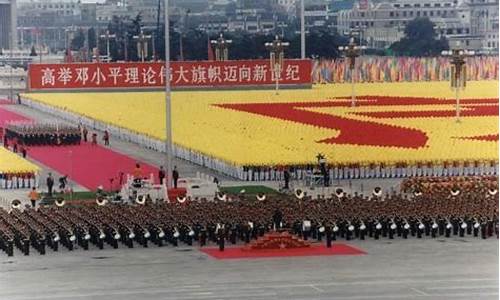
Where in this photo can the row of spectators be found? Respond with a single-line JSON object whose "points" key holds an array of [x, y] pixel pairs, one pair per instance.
{"points": [[373, 170]]}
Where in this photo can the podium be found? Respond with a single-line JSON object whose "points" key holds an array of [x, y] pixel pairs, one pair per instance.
{"points": [[277, 240], [313, 180]]}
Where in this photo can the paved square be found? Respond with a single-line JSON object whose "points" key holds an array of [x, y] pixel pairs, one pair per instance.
{"points": [[398, 269]]}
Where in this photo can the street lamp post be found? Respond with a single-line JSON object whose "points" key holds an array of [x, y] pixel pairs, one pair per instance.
{"points": [[277, 53], [107, 36], [70, 35], [352, 51], [221, 48], [302, 31], [153, 45], [71, 174], [38, 42], [11, 69], [458, 73], [142, 44], [168, 102]]}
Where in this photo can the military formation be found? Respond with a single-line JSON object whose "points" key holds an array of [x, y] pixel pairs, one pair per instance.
{"points": [[467, 209], [29, 134]]}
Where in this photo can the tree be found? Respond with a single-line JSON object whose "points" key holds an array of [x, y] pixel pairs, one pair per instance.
{"points": [[420, 40], [92, 38], [78, 41], [319, 43], [33, 51]]}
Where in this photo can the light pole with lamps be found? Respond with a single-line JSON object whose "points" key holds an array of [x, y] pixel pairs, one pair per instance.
{"points": [[221, 48], [142, 44], [153, 45], [11, 68], [107, 36], [302, 30], [69, 34], [168, 103], [277, 53], [458, 72], [352, 51], [71, 174]]}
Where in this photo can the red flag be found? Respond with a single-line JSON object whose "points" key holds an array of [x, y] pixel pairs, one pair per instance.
{"points": [[211, 55]]}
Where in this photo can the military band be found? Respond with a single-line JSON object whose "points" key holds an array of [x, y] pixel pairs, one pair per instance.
{"points": [[42, 134], [464, 210]]}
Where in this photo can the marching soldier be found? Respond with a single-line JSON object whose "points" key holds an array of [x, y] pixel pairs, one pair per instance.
{"points": [[349, 231], [362, 229], [483, 228], [476, 228], [378, 229], [335, 230], [392, 229], [328, 234], [434, 228], [203, 236], [220, 231], [463, 227], [448, 228], [420, 229], [406, 229]]}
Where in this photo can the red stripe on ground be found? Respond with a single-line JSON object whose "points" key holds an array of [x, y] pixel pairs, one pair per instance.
{"points": [[317, 250]]}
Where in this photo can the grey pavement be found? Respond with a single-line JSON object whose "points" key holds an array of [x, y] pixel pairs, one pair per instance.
{"points": [[465, 268]]}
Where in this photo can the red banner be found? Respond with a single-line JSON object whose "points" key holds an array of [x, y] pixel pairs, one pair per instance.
{"points": [[152, 75]]}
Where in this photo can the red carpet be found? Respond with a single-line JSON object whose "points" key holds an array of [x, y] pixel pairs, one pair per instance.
{"points": [[8, 116], [317, 250], [5, 101], [89, 166]]}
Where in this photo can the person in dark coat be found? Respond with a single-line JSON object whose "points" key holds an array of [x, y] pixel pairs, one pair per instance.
{"points": [[161, 174], [286, 175], [50, 184], [62, 183], [277, 218], [85, 134], [23, 151], [105, 138], [175, 176]]}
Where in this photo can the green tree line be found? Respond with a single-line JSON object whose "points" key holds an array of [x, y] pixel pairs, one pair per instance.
{"points": [[419, 40]]}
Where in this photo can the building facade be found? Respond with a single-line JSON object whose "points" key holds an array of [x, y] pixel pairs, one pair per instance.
{"points": [[8, 24], [484, 21], [382, 23]]}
